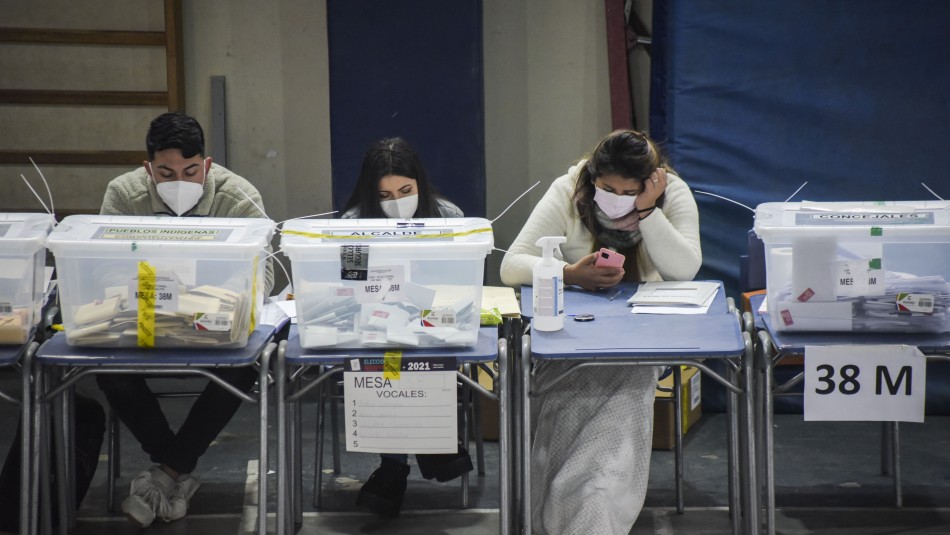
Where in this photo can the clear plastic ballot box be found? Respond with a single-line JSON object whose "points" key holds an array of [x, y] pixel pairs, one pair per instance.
{"points": [[137, 281], [361, 283], [22, 282], [876, 266]]}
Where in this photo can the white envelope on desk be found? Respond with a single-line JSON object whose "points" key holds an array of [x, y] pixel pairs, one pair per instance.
{"points": [[795, 316]]}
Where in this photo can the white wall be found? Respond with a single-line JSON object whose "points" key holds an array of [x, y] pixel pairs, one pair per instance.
{"points": [[273, 56], [546, 95], [547, 100]]}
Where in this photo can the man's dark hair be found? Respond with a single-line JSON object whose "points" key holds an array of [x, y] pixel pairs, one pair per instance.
{"points": [[174, 130]]}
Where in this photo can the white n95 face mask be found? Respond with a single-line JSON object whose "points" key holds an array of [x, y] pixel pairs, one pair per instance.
{"points": [[613, 205], [402, 208], [181, 195]]}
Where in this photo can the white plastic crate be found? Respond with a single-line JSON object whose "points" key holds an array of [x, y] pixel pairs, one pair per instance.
{"points": [[878, 267], [22, 262], [361, 283], [131, 281]]}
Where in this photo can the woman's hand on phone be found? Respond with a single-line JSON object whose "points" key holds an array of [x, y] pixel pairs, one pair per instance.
{"points": [[585, 274]]}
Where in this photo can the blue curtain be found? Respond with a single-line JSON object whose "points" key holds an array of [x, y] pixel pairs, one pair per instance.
{"points": [[753, 98], [412, 69]]}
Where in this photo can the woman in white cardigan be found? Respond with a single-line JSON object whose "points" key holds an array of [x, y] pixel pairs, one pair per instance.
{"points": [[593, 433]]}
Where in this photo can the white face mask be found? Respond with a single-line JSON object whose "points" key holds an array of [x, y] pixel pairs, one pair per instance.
{"points": [[402, 208], [180, 195], [613, 205]]}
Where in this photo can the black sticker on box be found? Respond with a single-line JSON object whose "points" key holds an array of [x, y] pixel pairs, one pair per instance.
{"points": [[354, 262]]}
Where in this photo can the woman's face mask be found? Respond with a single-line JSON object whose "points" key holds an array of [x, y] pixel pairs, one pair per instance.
{"points": [[401, 208], [613, 205]]}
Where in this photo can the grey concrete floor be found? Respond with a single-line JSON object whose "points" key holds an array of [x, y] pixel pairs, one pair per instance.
{"points": [[828, 481]]}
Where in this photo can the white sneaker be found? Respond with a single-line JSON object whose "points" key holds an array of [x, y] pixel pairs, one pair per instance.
{"points": [[148, 497], [180, 496]]}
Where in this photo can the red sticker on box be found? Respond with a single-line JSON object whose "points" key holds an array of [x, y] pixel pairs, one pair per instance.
{"points": [[380, 314], [806, 295], [787, 317]]}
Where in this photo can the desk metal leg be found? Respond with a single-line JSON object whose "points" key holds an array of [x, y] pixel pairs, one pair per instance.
{"points": [[678, 436], [264, 461], [735, 493], [752, 505], [896, 439], [887, 449], [282, 469], [504, 440], [466, 392], [525, 374], [335, 404], [319, 438], [768, 445], [512, 376], [26, 440], [477, 426]]}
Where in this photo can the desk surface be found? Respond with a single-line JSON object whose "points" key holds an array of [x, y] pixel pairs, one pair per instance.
{"points": [[795, 342], [578, 301], [56, 351], [642, 335], [484, 350], [616, 333]]}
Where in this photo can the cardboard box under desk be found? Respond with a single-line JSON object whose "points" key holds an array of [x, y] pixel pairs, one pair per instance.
{"points": [[505, 301], [664, 415]]}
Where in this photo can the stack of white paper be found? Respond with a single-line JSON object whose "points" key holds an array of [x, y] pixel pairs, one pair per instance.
{"points": [[674, 297]]}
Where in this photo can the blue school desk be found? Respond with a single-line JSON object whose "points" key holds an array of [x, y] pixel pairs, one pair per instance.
{"points": [[293, 360], [59, 366], [618, 338], [772, 346]]}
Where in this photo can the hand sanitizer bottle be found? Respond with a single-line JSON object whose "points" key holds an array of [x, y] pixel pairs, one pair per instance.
{"points": [[548, 285]]}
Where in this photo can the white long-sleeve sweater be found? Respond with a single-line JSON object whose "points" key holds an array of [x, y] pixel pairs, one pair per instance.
{"points": [[670, 248]]}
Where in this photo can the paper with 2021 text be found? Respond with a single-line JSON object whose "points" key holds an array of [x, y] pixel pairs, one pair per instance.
{"points": [[401, 405]]}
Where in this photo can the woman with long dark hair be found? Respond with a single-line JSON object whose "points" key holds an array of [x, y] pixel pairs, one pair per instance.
{"points": [[393, 183], [590, 456]]}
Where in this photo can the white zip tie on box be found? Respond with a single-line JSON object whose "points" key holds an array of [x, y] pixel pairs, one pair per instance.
{"points": [[931, 191], [724, 198]]}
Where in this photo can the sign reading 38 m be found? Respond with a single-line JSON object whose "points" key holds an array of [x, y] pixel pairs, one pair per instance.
{"points": [[865, 383]]}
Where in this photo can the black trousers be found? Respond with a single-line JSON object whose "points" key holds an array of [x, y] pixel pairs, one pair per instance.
{"points": [[138, 408]]}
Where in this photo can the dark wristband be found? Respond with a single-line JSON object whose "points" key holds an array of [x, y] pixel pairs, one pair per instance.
{"points": [[648, 210]]}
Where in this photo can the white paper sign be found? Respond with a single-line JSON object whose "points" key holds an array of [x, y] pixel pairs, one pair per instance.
{"points": [[383, 283], [165, 295], [865, 383], [856, 278], [396, 405]]}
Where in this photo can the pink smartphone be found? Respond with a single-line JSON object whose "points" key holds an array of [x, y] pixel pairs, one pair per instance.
{"points": [[608, 258]]}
